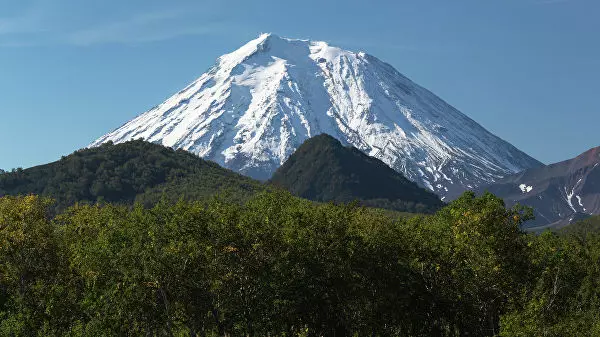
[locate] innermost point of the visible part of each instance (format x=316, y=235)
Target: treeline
x=282, y=266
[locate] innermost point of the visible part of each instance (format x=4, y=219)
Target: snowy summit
x=256, y=105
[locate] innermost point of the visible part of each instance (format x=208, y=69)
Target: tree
x=473, y=259
x=29, y=266
x=565, y=297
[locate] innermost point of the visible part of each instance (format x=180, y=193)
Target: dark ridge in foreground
x=322, y=169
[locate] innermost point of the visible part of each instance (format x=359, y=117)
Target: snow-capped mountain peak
x=256, y=105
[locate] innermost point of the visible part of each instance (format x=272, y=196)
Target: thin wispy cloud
x=143, y=27
x=29, y=21
x=26, y=28
x=550, y=2
x=40, y=24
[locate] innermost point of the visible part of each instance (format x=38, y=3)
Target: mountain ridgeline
x=137, y=171
x=560, y=193
x=127, y=172
x=322, y=169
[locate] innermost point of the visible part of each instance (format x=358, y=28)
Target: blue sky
x=72, y=70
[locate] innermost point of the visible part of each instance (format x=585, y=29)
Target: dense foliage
x=322, y=169
x=282, y=266
x=121, y=173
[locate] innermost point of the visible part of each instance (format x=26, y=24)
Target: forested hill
x=138, y=171
x=125, y=172
x=322, y=169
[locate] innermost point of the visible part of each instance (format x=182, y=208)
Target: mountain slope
x=124, y=172
x=256, y=105
x=322, y=169
x=582, y=228
x=560, y=193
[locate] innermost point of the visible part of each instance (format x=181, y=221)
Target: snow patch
x=579, y=200
x=525, y=189
x=570, y=195
x=581, y=203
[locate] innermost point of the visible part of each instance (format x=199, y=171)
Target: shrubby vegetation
x=282, y=266
x=564, y=299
